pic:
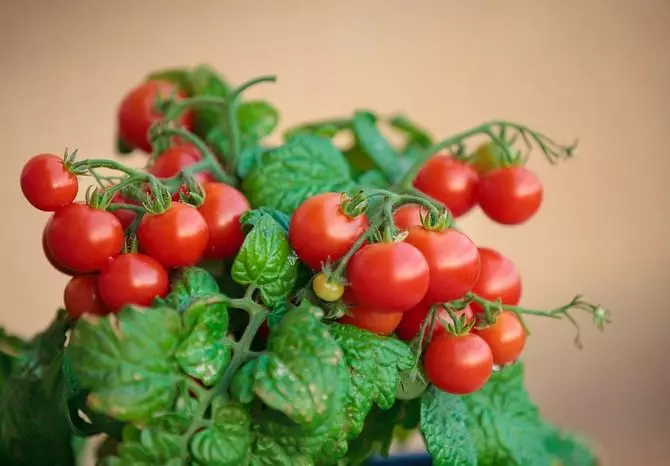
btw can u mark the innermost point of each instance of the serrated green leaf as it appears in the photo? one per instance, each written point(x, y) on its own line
point(504, 424)
point(226, 442)
point(567, 449)
point(444, 429)
point(374, 364)
point(302, 373)
point(416, 136)
point(250, 218)
point(153, 448)
point(266, 261)
point(127, 361)
point(189, 284)
point(277, 313)
point(375, 145)
point(257, 118)
point(326, 128)
point(205, 352)
point(289, 174)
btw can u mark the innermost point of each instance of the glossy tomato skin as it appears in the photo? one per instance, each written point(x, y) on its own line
point(175, 159)
point(83, 239)
point(137, 113)
point(388, 277)
point(50, 257)
point(510, 195)
point(176, 238)
point(458, 364)
point(222, 209)
point(453, 260)
point(319, 231)
point(411, 322)
point(450, 181)
point(408, 216)
point(132, 279)
point(47, 184)
point(381, 323)
point(506, 338)
point(498, 279)
point(81, 296)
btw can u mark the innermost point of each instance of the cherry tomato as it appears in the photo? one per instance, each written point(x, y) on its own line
point(498, 279)
point(83, 239)
point(47, 184)
point(50, 257)
point(450, 181)
point(487, 157)
point(132, 279)
point(174, 160)
point(137, 112)
point(453, 260)
point(325, 290)
point(125, 216)
point(388, 277)
point(510, 195)
point(81, 296)
point(458, 364)
point(412, 320)
point(408, 215)
point(381, 323)
point(176, 238)
point(222, 210)
point(506, 337)
point(321, 232)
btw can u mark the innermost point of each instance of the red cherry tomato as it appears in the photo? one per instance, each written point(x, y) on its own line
point(320, 231)
point(221, 210)
point(453, 260)
point(506, 337)
point(137, 112)
point(176, 238)
point(510, 195)
point(388, 277)
point(412, 320)
point(47, 184)
point(125, 216)
point(458, 364)
point(50, 257)
point(498, 279)
point(408, 215)
point(450, 181)
point(174, 160)
point(83, 239)
point(81, 296)
point(381, 323)
point(132, 279)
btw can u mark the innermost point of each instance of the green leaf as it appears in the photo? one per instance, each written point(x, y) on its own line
point(250, 218)
point(416, 136)
point(205, 81)
point(127, 361)
point(266, 261)
point(151, 447)
point(376, 145)
point(302, 373)
point(568, 449)
point(205, 352)
point(249, 157)
point(443, 425)
point(257, 119)
point(277, 313)
point(226, 442)
point(180, 77)
point(178, 419)
point(189, 284)
point(374, 363)
point(504, 424)
point(289, 174)
point(360, 162)
point(327, 129)
point(373, 179)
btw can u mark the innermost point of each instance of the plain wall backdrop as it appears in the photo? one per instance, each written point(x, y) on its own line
point(598, 70)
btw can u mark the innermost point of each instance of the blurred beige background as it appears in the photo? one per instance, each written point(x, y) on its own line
point(599, 70)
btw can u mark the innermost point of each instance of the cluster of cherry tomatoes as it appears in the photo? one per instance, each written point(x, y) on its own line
point(391, 287)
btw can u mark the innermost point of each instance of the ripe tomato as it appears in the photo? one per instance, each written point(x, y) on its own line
point(125, 216)
point(506, 337)
point(453, 260)
point(132, 279)
point(50, 257)
point(450, 181)
point(408, 215)
point(388, 277)
point(221, 210)
point(510, 195)
point(325, 290)
point(174, 160)
point(137, 112)
point(458, 364)
point(47, 184)
point(411, 322)
point(176, 238)
point(83, 239)
point(498, 279)
point(319, 231)
point(381, 323)
point(81, 296)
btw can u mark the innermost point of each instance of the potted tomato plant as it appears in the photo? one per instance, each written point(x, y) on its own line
point(239, 303)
